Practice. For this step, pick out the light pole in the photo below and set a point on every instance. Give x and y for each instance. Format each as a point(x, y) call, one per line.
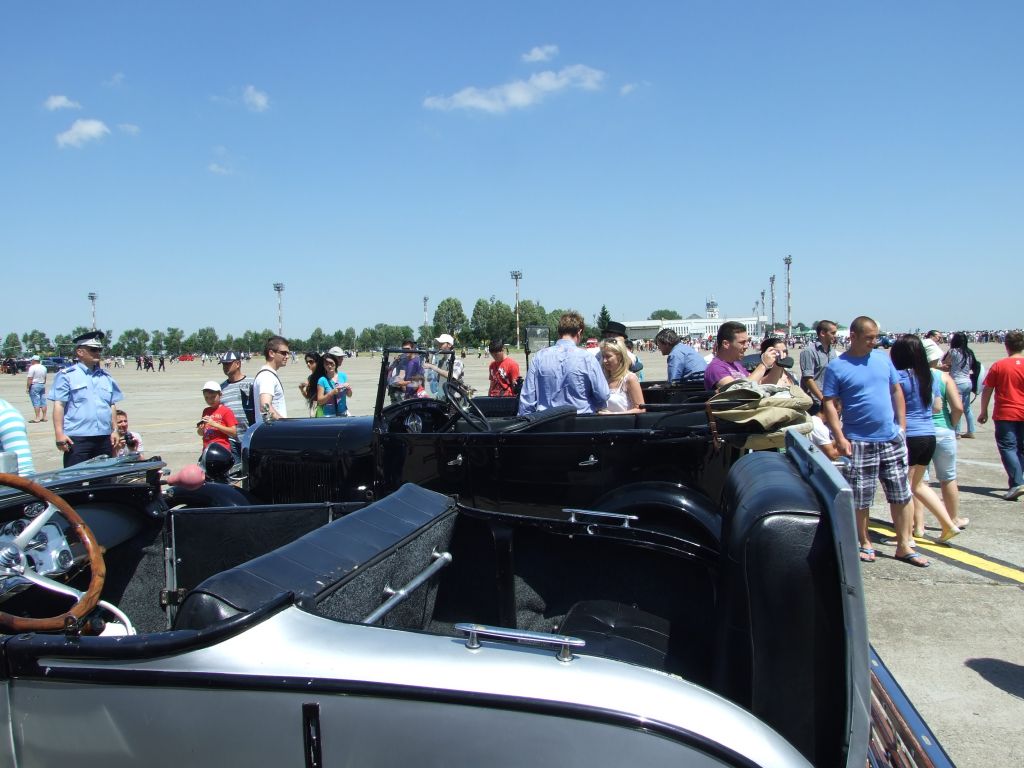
point(788, 261)
point(762, 312)
point(426, 334)
point(279, 288)
point(92, 297)
point(517, 276)
point(771, 285)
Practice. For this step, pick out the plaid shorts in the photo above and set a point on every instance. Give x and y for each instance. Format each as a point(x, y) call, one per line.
point(879, 461)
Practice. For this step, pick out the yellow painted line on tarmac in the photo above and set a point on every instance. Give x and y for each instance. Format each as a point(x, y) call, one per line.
point(973, 561)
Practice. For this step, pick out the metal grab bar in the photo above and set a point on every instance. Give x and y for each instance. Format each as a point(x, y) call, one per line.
point(613, 516)
point(398, 596)
point(565, 643)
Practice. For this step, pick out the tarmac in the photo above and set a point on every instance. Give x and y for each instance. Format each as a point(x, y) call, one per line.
point(951, 633)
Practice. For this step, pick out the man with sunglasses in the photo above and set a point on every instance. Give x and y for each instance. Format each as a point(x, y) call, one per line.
point(84, 396)
point(267, 389)
point(730, 348)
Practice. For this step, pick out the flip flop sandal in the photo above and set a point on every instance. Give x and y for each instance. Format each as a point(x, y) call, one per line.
point(914, 558)
point(867, 555)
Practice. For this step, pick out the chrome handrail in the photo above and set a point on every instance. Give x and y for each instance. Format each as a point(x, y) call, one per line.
point(565, 643)
point(398, 596)
point(624, 519)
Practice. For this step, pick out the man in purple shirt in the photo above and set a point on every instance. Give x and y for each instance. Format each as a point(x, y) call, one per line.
point(730, 347)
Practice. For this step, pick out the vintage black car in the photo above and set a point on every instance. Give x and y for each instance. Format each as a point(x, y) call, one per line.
point(419, 630)
point(672, 456)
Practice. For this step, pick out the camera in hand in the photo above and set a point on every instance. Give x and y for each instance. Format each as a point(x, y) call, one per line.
point(130, 441)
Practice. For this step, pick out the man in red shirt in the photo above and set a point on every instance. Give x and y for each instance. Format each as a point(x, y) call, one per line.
point(1006, 379)
point(503, 372)
point(218, 423)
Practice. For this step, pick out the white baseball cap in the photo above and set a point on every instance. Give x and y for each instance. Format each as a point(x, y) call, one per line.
point(212, 386)
point(445, 338)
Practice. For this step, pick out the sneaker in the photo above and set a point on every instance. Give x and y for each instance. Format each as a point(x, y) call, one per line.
point(968, 435)
point(1014, 493)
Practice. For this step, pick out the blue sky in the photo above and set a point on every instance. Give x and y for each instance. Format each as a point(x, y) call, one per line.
point(180, 158)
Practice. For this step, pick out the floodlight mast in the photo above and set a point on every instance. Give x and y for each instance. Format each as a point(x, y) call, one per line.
point(279, 289)
point(517, 275)
point(92, 297)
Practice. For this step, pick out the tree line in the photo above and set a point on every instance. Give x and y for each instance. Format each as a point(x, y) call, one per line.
point(490, 319)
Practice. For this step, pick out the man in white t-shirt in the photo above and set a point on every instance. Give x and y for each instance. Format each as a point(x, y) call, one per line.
point(268, 393)
point(35, 385)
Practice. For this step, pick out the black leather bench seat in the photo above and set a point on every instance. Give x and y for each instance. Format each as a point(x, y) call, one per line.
point(317, 562)
point(619, 631)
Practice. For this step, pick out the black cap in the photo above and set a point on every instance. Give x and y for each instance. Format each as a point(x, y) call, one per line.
point(90, 339)
point(615, 329)
point(229, 357)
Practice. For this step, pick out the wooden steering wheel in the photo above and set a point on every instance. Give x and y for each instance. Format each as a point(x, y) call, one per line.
point(14, 561)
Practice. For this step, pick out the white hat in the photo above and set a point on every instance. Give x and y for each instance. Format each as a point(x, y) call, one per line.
point(212, 386)
point(35, 357)
point(445, 338)
point(336, 352)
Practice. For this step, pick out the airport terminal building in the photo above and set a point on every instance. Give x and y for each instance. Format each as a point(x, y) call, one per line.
point(695, 326)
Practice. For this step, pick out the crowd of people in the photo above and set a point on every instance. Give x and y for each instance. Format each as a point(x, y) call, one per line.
point(895, 416)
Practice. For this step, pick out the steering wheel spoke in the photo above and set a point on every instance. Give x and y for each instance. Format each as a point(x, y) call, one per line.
point(457, 394)
point(22, 539)
point(51, 584)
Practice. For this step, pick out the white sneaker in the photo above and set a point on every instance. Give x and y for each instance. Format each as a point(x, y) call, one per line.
point(1014, 493)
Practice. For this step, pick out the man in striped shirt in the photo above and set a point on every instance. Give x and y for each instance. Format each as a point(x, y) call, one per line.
point(14, 437)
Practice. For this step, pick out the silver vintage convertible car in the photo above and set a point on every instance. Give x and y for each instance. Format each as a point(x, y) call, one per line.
point(416, 630)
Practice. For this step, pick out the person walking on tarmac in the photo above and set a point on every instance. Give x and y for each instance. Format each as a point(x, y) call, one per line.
point(84, 397)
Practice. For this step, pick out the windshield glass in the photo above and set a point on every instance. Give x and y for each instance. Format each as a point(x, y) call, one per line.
point(411, 373)
point(99, 467)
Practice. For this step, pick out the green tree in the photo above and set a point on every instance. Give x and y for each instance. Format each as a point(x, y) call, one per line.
point(449, 317)
point(348, 339)
point(367, 339)
point(603, 318)
point(531, 313)
point(12, 345)
point(664, 314)
point(481, 317)
point(502, 322)
point(203, 340)
point(318, 341)
point(158, 340)
point(133, 342)
point(62, 344)
point(173, 340)
point(36, 341)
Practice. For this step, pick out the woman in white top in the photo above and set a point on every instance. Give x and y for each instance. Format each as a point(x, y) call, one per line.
point(626, 395)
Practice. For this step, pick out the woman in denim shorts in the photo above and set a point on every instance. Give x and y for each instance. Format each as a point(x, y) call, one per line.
point(921, 396)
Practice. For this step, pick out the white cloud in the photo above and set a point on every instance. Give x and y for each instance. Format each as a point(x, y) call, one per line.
point(82, 131)
point(627, 89)
point(220, 170)
point(519, 94)
point(130, 128)
point(255, 100)
point(56, 102)
point(541, 53)
point(116, 80)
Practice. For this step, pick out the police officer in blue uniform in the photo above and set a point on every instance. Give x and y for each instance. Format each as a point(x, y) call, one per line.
point(84, 397)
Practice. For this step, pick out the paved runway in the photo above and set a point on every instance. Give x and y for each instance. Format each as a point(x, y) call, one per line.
point(951, 633)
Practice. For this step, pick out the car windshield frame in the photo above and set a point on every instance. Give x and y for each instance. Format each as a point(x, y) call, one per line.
point(388, 357)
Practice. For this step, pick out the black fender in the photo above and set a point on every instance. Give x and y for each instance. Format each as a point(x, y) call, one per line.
point(665, 505)
point(209, 495)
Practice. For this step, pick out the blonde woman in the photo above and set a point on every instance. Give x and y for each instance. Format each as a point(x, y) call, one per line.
point(625, 395)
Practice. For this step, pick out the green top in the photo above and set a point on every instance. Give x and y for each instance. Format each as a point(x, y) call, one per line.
point(941, 418)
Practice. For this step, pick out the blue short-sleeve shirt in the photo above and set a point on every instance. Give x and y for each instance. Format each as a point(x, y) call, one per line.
point(87, 394)
point(864, 386)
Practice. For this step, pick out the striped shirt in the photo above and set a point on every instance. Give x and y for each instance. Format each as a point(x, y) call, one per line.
point(14, 437)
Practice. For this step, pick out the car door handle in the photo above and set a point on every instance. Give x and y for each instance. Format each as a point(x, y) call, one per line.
point(591, 461)
point(456, 462)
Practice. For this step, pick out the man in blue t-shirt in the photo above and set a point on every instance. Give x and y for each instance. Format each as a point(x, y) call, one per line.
point(871, 433)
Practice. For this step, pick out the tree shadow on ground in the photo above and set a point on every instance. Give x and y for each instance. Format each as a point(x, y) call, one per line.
point(1002, 674)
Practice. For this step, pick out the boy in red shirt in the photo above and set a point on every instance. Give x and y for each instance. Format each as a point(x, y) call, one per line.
point(1005, 379)
point(503, 372)
point(218, 422)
